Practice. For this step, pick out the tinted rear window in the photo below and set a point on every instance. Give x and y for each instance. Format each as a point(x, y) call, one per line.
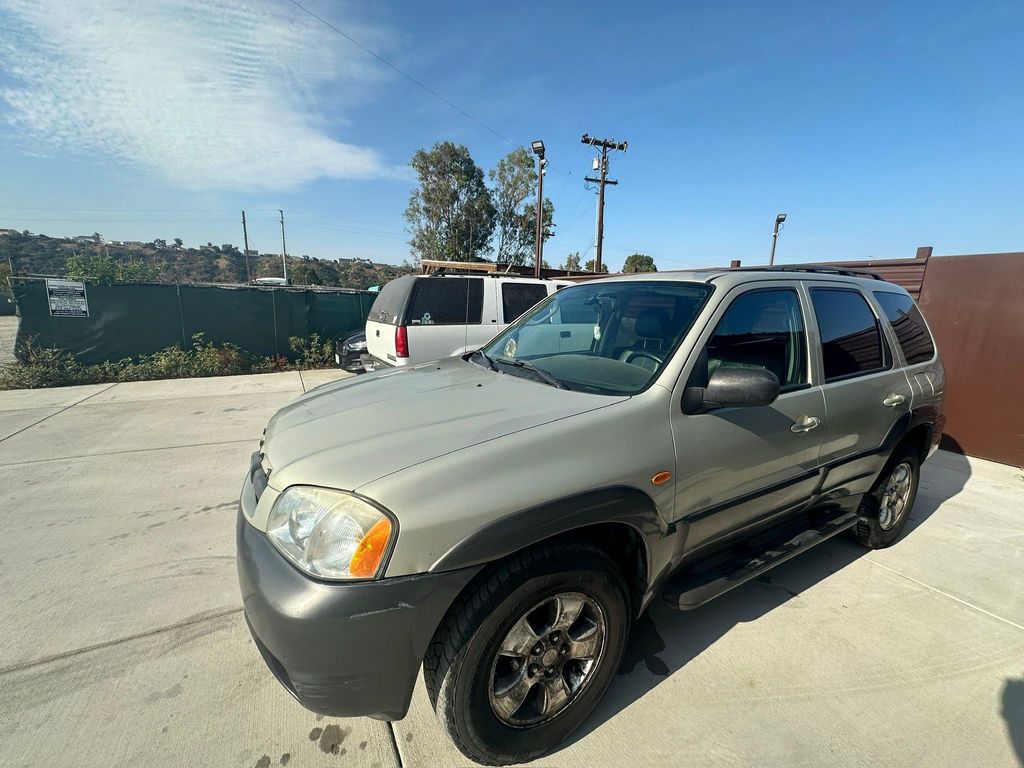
point(906, 320)
point(446, 301)
point(516, 298)
point(851, 342)
point(387, 307)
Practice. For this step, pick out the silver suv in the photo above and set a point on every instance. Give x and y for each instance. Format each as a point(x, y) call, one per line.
point(501, 518)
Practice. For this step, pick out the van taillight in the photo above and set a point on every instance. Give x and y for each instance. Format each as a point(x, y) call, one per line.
point(401, 341)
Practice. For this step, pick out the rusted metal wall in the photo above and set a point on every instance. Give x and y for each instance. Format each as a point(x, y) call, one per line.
point(975, 308)
point(906, 273)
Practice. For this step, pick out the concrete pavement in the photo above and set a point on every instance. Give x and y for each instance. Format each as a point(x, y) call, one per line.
point(123, 643)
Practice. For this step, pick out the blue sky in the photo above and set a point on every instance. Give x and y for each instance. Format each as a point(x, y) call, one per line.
point(877, 127)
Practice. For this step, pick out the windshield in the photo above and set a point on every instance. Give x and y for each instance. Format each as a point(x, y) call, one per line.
point(602, 337)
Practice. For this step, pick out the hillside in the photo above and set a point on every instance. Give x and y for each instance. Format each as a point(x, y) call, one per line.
point(33, 254)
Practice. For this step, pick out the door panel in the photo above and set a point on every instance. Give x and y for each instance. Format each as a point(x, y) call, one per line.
point(736, 467)
point(865, 393)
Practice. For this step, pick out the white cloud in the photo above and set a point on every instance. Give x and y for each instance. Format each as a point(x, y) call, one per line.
point(205, 93)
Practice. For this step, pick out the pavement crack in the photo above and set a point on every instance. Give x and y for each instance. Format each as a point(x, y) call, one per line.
point(938, 591)
point(133, 450)
point(191, 620)
point(394, 742)
point(57, 413)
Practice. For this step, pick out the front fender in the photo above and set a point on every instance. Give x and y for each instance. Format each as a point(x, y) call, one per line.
point(511, 533)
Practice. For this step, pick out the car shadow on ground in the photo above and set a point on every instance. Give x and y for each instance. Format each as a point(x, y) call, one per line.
point(663, 641)
point(1013, 714)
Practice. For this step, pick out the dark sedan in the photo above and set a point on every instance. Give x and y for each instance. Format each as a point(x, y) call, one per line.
point(347, 353)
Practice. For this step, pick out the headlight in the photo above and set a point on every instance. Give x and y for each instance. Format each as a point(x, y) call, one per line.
point(329, 534)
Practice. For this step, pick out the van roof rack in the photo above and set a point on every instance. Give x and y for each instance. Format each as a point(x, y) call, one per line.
point(450, 272)
point(812, 268)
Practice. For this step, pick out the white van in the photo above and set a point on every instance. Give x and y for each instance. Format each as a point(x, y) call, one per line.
point(418, 318)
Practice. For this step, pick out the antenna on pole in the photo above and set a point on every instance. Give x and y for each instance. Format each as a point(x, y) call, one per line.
point(284, 250)
point(602, 166)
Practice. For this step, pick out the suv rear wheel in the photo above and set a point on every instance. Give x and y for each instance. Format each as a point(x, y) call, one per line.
point(526, 653)
point(884, 511)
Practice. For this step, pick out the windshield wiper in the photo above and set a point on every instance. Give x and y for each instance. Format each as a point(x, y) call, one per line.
point(487, 361)
point(539, 373)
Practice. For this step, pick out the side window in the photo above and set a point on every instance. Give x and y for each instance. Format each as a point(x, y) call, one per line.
point(851, 342)
point(762, 329)
point(906, 320)
point(446, 301)
point(516, 298)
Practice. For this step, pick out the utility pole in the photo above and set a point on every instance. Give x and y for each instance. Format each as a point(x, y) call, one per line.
point(605, 145)
point(284, 249)
point(245, 239)
point(538, 245)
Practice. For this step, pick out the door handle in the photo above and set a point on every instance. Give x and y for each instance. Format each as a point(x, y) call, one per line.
point(892, 400)
point(805, 424)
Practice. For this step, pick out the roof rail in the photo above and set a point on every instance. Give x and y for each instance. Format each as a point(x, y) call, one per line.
point(813, 268)
point(449, 272)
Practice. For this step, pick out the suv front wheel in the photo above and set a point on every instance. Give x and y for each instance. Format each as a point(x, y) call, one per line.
point(527, 651)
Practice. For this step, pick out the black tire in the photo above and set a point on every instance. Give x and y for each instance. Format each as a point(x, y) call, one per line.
point(459, 662)
point(869, 530)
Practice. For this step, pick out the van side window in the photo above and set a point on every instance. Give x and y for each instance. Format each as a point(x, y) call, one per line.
point(907, 322)
point(446, 301)
point(516, 298)
point(851, 341)
point(762, 329)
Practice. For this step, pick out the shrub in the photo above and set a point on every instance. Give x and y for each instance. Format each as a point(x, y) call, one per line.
point(314, 353)
point(51, 367)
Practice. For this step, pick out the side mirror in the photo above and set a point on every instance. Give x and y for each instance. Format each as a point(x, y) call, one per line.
point(731, 387)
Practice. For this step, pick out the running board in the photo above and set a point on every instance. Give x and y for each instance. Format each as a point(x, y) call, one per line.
point(693, 588)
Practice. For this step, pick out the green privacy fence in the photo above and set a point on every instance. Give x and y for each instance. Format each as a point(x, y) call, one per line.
point(111, 322)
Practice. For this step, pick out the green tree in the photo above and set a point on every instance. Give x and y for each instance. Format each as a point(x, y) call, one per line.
point(515, 202)
point(108, 270)
point(178, 243)
point(572, 262)
point(639, 262)
point(451, 214)
point(589, 266)
point(303, 273)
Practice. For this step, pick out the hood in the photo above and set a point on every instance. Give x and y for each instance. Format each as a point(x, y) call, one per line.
point(351, 432)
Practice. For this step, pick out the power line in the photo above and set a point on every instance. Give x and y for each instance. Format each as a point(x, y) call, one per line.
point(403, 73)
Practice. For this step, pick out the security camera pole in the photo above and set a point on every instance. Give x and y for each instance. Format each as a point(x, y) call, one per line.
point(538, 246)
point(775, 236)
point(605, 145)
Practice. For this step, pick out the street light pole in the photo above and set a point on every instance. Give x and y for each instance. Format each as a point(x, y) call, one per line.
point(538, 248)
point(775, 236)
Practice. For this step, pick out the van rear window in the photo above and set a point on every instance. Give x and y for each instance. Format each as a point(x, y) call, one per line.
point(446, 301)
point(387, 307)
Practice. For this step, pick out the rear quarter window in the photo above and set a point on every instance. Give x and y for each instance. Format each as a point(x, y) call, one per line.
point(446, 301)
point(908, 323)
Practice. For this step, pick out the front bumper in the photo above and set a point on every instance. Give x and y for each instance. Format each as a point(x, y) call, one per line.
point(344, 650)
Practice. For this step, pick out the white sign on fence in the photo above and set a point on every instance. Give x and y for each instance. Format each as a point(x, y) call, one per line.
point(67, 298)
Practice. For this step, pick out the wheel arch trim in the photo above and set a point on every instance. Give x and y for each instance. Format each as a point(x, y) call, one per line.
point(516, 531)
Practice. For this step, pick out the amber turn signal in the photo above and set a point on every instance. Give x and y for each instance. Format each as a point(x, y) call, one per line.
point(661, 477)
point(370, 550)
